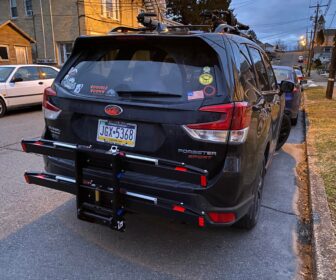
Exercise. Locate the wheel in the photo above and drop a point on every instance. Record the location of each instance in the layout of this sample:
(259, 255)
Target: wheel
(284, 132)
(251, 218)
(3, 108)
(295, 120)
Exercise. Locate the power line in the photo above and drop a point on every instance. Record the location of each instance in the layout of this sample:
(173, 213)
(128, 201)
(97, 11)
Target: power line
(327, 9)
(277, 23)
(332, 19)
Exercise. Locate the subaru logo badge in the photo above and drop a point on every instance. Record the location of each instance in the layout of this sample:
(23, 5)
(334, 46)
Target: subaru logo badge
(113, 110)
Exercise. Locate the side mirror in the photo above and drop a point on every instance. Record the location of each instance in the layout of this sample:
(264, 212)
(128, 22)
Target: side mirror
(286, 86)
(16, 79)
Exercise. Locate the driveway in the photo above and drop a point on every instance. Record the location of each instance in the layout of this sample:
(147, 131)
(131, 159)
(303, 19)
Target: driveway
(40, 237)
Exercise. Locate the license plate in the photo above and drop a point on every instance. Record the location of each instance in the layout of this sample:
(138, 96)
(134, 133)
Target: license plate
(122, 134)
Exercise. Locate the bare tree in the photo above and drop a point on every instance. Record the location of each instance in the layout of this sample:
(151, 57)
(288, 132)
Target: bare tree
(280, 45)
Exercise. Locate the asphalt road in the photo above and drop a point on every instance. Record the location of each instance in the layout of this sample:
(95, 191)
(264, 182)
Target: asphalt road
(289, 58)
(40, 237)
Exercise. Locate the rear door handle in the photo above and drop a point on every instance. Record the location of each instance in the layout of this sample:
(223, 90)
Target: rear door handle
(40, 83)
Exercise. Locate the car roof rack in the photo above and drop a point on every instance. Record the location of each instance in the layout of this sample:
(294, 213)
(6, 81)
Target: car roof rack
(221, 22)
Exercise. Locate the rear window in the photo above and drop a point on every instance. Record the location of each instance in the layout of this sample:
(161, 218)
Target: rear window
(298, 72)
(283, 75)
(168, 70)
(5, 72)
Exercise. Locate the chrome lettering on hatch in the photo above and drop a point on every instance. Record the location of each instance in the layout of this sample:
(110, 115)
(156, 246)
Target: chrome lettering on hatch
(194, 154)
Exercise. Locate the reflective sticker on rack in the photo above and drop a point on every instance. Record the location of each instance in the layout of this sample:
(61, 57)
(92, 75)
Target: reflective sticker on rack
(205, 79)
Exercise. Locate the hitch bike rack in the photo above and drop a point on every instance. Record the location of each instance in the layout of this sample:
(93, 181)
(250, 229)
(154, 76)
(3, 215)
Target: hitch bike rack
(102, 200)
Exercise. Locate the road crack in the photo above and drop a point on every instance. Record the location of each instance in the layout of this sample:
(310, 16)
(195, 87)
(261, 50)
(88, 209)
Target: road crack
(280, 211)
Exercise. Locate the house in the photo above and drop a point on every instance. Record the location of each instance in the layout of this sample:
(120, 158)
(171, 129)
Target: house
(268, 47)
(55, 25)
(15, 44)
(323, 52)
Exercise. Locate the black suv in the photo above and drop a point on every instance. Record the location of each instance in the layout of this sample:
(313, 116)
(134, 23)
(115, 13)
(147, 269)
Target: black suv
(179, 122)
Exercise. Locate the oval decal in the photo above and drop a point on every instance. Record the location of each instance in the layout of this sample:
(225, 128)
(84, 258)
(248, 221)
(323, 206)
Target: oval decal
(113, 110)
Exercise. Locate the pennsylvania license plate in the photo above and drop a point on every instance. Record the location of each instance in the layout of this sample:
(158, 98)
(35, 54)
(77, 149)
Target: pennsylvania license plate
(122, 134)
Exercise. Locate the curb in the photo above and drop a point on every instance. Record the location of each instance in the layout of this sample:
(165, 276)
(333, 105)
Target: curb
(323, 232)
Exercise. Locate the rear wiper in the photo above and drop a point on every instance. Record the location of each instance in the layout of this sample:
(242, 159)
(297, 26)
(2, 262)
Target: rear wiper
(148, 94)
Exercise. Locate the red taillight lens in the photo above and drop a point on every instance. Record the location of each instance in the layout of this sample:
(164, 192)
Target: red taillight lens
(295, 90)
(233, 123)
(222, 217)
(223, 124)
(242, 116)
(50, 111)
(46, 104)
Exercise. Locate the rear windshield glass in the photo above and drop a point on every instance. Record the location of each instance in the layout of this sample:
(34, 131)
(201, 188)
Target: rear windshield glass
(283, 75)
(5, 72)
(147, 69)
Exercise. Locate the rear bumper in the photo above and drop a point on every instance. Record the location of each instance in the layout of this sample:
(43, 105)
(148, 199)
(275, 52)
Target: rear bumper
(158, 196)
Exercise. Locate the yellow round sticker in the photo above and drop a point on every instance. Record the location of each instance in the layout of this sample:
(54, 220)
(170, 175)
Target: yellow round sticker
(205, 79)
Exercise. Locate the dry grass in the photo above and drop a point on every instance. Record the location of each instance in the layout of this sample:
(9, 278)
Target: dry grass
(322, 128)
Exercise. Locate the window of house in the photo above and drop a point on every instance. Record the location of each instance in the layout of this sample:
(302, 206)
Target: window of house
(13, 8)
(4, 54)
(64, 52)
(28, 7)
(111, 9)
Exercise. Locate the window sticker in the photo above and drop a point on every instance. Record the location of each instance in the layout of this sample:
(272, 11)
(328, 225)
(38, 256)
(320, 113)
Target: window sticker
(98, 89)
(206, 69)
(78, 88)
(69, 82)
(73, 71)
(209, 91)
(111, 92)
(198, 94)
(206, 79)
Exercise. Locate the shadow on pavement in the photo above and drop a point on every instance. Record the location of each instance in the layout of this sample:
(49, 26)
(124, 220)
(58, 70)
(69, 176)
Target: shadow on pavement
(59, 246)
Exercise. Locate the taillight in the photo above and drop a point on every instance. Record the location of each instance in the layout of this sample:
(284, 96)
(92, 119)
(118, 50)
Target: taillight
(295, 90)
(232, 126)
(50, 110)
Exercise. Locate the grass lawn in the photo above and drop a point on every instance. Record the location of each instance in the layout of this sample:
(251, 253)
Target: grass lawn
(322, 127)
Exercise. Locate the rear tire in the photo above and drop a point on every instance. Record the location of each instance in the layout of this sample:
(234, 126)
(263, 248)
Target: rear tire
(295, 120)
(251, 218)
(3, 108)
(284, 132)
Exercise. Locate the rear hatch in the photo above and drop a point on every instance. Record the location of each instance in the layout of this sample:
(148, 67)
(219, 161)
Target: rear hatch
(138, 92)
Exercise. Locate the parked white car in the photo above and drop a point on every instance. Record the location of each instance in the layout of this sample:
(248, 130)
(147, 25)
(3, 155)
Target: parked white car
(23, 85)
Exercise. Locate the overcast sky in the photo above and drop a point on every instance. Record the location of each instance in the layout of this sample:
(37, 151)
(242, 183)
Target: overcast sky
(280, 19)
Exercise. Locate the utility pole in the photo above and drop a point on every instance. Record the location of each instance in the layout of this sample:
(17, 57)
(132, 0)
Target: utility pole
(332, 72)
(318, 6)
(309, 51)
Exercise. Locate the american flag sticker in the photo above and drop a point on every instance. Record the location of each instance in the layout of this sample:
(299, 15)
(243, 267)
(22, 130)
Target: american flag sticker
(198, 94)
